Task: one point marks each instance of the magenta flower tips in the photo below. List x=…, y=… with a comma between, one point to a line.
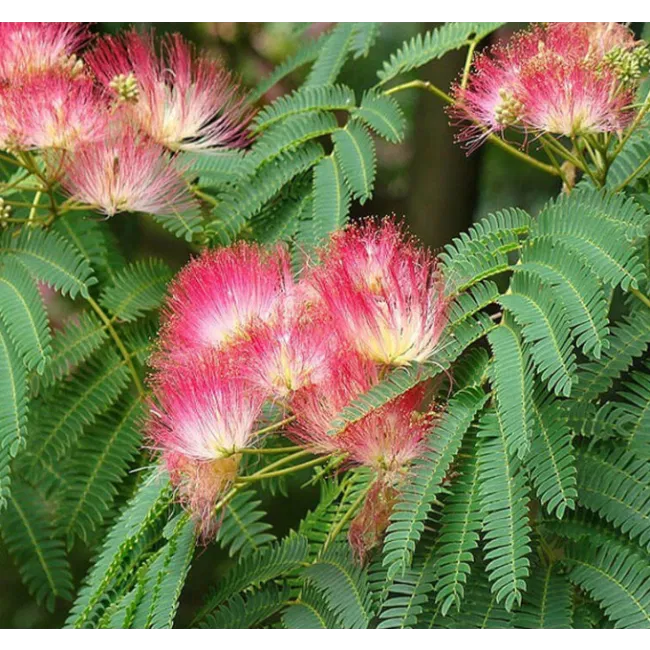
x=32, y=48
x=384, y=293
x=218, y=296
x=181, y=101
x=205, y=414
x=239, y=331
x=565, y=79
x=126, y=172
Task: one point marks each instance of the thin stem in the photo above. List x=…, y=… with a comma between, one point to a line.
x=273, y=427
x=635, y=123
x=13, y=161
x=120, y=345
x=468, y=63
x=269, y=450
x=632, y=176
x=562, y=151
x=205, y=197
x=585, y=165
x=284, y=461
x=282, y=472
x=32, y=212
x=346, y=517
x=641, y=296
x=425, y=85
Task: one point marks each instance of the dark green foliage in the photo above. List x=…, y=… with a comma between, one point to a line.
x=383, y=115
x=355, y=153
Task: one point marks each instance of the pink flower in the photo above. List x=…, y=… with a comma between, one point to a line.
x=369, y=525
x=126, y=172
x=290, y=350
x=589, y=40
x=390, y=437
x=180, y=100
x=562, y=78
x=384, y=293
x=52, y=110
x=317, y=406
x=218, y=296
x=574, y=99
x=387, y=439
x=206, y=414
x=30, y=48
x=490, y=103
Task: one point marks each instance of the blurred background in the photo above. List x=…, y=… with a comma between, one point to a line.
x=428, y=179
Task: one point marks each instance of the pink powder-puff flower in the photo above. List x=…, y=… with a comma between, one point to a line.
x=205, y=414
x=30, y=48
x=387, y=439
x=574, y=99
x=317, y=406
x=218, y=296
x=489, y=103
x=369, y=525
x=383, y=292
x=53, y=111
x=588, y=41
x=290, y=350
x=182, y=101
x=126, y=172
x=562, y=78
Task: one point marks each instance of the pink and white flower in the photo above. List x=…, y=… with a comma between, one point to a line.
x=384, y=293
x=218, y=296
x=126, y=172
x=205, y=414
x=182, y=101
x=574, y=99
x=53, y=111
x=565, y=79
x=31, y=48
x=290, y=350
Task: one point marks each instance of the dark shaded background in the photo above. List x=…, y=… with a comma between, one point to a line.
x=428, y=179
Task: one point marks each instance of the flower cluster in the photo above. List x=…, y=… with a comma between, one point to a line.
x=110, y=120
x=239, y=332
x=564, y=79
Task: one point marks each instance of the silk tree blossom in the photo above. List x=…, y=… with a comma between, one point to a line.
x=126, y=172
x=317, y=406
x=571, y=100
x=589, y=40
x=383, y=292
x=182, y=101
x=31, y=48
x=290, y=350
x=387, y=439
x=567, y=79
x=53, y=111
x=204, y=413
x=218, y=296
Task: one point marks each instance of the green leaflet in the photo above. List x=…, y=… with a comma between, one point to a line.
x=51, y=259
x=23, y=313
x=137, y=289
x=433, y=45
x=354, y=151
x=424, y=482
x=331, y=198
x=504, y=506
x=41, y=558
x=616, y=577
x=13, y=410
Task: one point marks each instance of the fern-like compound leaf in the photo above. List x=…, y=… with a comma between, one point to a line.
x=354, y=151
